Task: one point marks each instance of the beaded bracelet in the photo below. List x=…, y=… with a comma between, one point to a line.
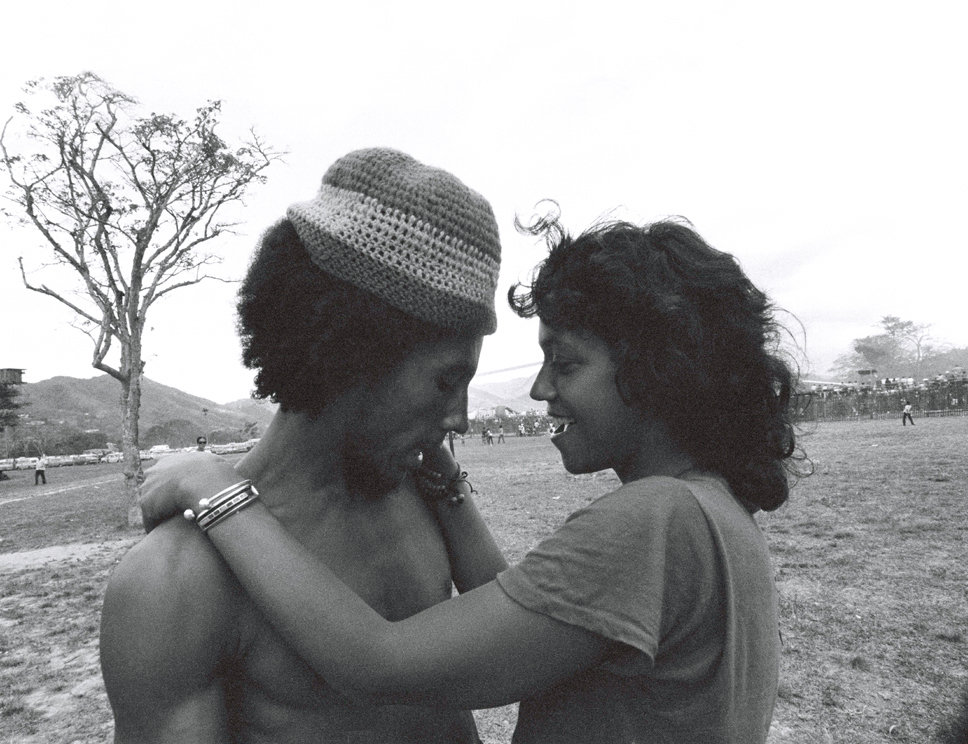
x=435, y=486
x=223, y=505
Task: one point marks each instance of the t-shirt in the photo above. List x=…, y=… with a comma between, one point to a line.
x=678, y=572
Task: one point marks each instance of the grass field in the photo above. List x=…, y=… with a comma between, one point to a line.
x=869, y=555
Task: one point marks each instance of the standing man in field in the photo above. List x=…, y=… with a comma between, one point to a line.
x=363, y=315
x=40, y=470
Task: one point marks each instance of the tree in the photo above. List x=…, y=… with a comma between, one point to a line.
x=900, y=351
x=912, y=337
x=10, y=404
x=127, y=206
x=877, y=352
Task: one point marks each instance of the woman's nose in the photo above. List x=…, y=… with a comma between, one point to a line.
x=543, y=389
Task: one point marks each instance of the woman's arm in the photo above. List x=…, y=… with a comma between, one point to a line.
x=177, y=482
x=475, y=558
x=478, y=650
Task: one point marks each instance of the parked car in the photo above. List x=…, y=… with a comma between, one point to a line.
x=231, y=448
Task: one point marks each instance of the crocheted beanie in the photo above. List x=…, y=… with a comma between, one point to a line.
x=413, y=235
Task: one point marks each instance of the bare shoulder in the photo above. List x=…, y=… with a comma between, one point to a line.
x=170, y=602
x=172, y=564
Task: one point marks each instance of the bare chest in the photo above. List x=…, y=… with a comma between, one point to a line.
x=395, y=559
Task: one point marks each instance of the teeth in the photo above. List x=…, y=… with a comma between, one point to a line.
x=561, y=424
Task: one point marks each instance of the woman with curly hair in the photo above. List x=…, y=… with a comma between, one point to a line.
x=650, y=615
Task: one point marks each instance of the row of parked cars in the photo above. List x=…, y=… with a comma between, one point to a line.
x=160, y=450
x=57, y=461
x=95, y=456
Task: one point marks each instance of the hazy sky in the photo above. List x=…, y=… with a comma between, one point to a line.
x=823, y=144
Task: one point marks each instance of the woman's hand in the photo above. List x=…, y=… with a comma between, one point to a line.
x=441, y=461
x=178, y=482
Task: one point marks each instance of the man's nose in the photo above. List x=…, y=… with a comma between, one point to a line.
x=456, y=419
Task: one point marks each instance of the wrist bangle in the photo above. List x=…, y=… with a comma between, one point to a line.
x=434, y=486
x=223, y=505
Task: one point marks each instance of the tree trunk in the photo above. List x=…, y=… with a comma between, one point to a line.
x=133, y=473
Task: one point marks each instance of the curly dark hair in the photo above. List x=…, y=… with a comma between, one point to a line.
x=311, y=337
x=697, y=345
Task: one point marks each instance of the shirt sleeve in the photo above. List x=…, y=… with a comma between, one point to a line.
x=630, y=567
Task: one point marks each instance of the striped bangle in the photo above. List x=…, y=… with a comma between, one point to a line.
x=223, y=505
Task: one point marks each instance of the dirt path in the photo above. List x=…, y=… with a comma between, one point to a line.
x=57, y=553
x=53, y=490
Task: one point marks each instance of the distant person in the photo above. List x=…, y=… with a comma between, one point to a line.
x=200, y=444
x=490, y=437
x=906, y=414
x=500, y=434
x=363, y=315
x=650, y=615
x=40, y=470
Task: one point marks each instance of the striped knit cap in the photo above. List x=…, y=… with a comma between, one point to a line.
x=413, y=235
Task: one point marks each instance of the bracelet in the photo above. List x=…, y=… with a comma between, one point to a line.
x=223, y=505
x=435, y=486
x=212, y=502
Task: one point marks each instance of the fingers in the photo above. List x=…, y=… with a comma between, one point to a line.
x=440, y=460
x=175, y=481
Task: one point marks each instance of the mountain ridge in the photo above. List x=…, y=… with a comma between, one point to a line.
x=95, y=403
x=167, y=412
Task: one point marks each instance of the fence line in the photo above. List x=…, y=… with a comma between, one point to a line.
x=946, y=412
x=881, y=415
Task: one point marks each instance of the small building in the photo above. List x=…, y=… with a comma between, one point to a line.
x=12, y=376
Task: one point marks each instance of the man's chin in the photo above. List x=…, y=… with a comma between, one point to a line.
x=372, y=482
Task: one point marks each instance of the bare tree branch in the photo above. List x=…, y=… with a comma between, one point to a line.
x=126, y=202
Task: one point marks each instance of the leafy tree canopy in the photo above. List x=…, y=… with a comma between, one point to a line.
x=10, y=404
x=903, y=349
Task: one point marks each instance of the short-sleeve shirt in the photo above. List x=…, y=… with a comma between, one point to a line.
x=678, y=573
